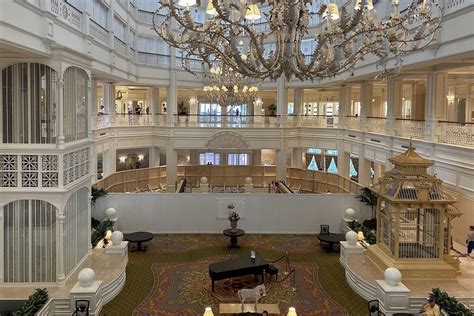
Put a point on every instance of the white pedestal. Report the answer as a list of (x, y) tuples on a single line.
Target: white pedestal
[(248, 188), (204, 187), (347, 249), (393, 298), (121, 249), (92, 293)]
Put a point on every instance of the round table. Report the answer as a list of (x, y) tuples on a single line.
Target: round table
[(138, 238), (331, 239), (233, 233)]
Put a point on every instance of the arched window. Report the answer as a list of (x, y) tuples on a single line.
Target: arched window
[(29, 242), (75, 229), (28, 104), (75, 104)]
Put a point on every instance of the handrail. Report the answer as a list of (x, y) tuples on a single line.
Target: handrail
[(407, 119), (456, 122), (377, 117)]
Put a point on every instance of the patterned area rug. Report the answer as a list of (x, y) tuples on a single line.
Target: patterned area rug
[(172, 278)]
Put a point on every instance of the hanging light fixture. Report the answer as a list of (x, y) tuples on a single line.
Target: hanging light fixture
[(186, 3), (345, 39), (225, 87)]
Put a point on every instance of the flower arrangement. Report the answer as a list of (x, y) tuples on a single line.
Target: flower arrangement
[(234, 216)]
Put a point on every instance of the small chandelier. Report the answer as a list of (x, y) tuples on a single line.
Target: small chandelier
[(347, 35), (228, 88)]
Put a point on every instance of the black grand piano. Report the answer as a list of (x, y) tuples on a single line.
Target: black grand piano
[(239, 266)]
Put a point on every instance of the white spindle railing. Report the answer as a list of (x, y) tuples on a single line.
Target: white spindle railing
[(410, 128), (352, 122), (99, 33), (456, 133), (120, 47), (153, 59), (376, 124)]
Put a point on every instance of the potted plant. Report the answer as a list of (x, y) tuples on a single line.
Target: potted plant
[(272, 109), (449, 305), (34, 303), (97, 193), (183, 109), (369, 197)]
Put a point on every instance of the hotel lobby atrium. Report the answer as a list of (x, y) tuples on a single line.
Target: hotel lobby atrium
[(236, 157)]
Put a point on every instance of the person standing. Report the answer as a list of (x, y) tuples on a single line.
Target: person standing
[(470, 240)]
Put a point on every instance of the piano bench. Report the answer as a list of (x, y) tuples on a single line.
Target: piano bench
[(272, 270)]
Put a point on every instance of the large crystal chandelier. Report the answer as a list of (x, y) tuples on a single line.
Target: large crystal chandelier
[(347, 35), (226, 87)]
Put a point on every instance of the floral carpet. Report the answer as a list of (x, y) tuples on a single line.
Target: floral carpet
[(172, 277)]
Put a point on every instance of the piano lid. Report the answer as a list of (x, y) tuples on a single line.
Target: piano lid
[(243, 261)]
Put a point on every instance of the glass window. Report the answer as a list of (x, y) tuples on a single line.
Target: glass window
[(314, 151), (209, 158), (75, 104), (119, 29), (147, 5), (28, 104), (238, 159), (77, 4), (99, 13)]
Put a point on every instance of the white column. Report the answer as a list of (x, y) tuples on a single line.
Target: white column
[(394, 104), (109, 161), (345, 94), (298, 102), (61, 113), (154, 157), (281, 161), (436, 103), (61, 277), (109, 98), (282, 99), (89, 226), (154, 103), (172, 99), (94, 106), (171, 162), (366, 96)]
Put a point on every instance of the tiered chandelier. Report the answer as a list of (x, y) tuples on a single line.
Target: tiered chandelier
[(228, 88), (348, 34)]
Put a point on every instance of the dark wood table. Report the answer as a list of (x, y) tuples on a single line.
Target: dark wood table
[(238, 266), (330, 239), (138, 238), (233, 233)]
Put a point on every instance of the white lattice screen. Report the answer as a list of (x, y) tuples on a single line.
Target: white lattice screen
[(75, 229), (29, 242)]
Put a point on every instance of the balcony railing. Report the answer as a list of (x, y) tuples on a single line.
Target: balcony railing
[(320, 121), (376, 124), (121, 120), (153, 59), (99, 33), (352, 122), (67, 13), (461, 134), (410, 128), (241, 121), (120, 46)]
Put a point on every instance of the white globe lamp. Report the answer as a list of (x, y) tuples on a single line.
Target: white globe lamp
[(248, 180), (111, 213), (204, 180), (117, 238), (86, 277), (351, 237), (392, 276), (349, 214)]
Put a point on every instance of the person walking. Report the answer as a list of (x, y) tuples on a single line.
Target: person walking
[(470, 240)]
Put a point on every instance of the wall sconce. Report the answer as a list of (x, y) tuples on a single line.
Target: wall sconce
[(360, 236), (450, 97), (208, 312), (141, 157), (291, 312), (122, 159), (258, 102)]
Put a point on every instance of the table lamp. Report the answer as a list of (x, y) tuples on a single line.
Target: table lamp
[(360, 236), (208, 312), (107, 237), (291, 312)]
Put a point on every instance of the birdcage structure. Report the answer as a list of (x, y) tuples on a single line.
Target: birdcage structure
[(414, 215)]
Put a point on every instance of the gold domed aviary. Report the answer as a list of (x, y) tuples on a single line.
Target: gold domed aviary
[(347, 35)]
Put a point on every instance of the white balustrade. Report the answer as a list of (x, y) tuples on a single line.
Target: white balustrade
[(376, 124), (153, 59), (410, 128), (99, 33), (66, 12), (352, 122), (120, 47), (456, 133)]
